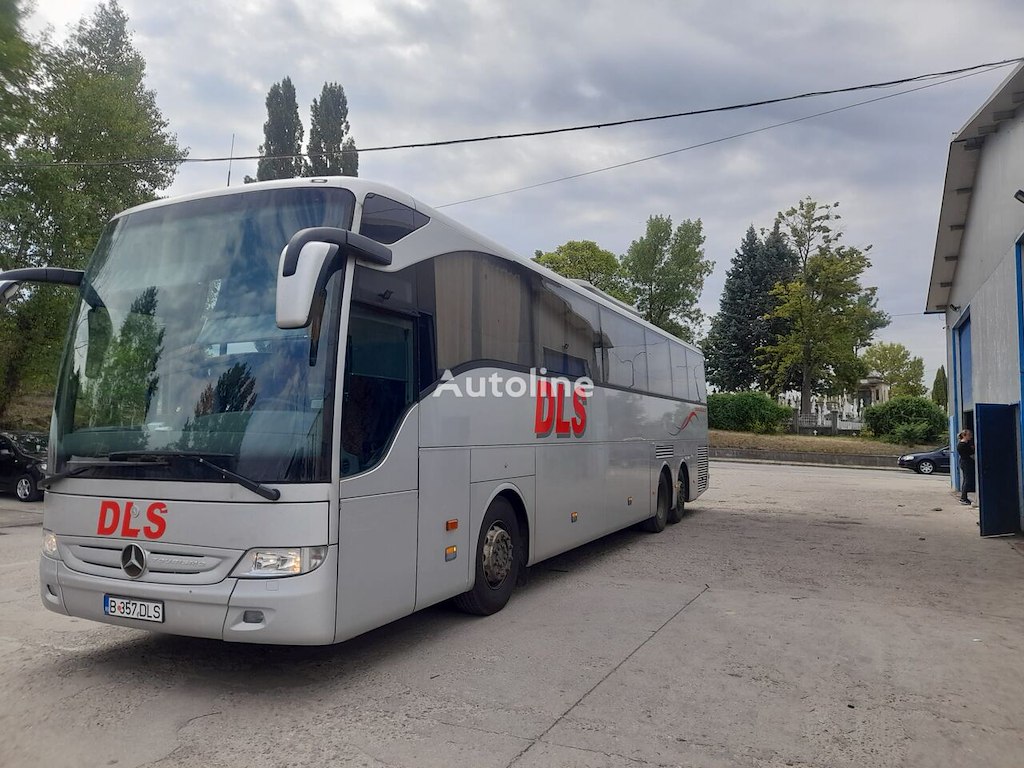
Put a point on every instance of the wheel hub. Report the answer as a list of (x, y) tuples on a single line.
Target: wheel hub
[(497, 555)]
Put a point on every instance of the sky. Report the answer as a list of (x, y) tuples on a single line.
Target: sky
[(431, 70)]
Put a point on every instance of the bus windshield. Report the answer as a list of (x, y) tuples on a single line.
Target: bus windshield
[(175, 346)]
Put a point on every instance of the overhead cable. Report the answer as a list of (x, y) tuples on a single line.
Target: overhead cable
[(977, 68)]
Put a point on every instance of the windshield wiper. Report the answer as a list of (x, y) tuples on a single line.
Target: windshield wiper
[(78, 469), (147, 458)]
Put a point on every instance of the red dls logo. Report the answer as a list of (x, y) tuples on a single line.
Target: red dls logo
[(113, 517), (551, 397)]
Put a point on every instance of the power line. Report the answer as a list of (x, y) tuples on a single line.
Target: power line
[(974, 69), (713, 141)]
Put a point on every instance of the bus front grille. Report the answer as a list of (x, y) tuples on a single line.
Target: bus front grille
[(165, 563)]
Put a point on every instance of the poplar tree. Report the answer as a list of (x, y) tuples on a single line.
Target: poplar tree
[(332, 151), (281, 150)]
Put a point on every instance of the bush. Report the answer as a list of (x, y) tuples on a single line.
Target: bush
[(907, 420), (746, 412)]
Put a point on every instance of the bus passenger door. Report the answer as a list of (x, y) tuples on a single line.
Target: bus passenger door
[(379, 445)]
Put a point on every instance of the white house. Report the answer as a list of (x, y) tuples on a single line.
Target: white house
[(976, 282)]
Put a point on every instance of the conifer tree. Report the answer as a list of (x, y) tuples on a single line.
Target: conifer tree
[(940, 388), (744, 322)]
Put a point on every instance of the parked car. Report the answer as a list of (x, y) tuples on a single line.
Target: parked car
[(22, 463), (927, 462)]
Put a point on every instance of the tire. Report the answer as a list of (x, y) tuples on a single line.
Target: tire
[(925, 467), (675, 514), (499, 560), (656, 523), (25, 489)]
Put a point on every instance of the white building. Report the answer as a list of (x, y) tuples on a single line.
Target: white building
[(976, 283)]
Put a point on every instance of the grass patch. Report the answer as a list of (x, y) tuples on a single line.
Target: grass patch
[(807, 443)]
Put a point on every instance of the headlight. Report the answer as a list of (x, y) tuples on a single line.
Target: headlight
[(43, 466), (49, 543), (262, 563), (907, 458)]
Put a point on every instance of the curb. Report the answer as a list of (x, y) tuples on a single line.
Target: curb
[(851, 461)]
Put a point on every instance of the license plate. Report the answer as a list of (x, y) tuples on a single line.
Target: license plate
[(130, 608)]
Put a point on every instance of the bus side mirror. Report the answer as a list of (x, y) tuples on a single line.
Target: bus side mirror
[(11, 280), (100, 331), (8, 290), (307, 263), (296, 292)]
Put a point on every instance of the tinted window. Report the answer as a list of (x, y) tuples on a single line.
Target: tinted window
[(390, 290), (567, 328), (387, 221), (681, 377), (379, 386), (659, 363), (695, 361), (482, 311), (625, 351)]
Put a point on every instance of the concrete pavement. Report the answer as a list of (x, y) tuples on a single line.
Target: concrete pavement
[(15, 513), (798, 616)]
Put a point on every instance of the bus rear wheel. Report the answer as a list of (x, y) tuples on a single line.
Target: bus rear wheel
[(498, 561), (675, 513), (656, 523)]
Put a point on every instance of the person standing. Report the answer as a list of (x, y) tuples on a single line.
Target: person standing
[(965, 453)]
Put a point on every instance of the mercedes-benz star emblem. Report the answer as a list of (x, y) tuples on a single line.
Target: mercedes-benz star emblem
[(133, 560)]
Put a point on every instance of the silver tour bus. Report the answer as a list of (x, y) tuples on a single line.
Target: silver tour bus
[(294, 411)]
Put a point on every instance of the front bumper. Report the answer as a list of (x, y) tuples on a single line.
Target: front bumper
[(294, 610)]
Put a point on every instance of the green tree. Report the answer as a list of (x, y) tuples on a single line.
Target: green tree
[(281, 150), (940, 389), (743, 323), (829, 314), (17, 66), (665, 271), (91, 107), (586, 260), (332, 151), (893, 362)]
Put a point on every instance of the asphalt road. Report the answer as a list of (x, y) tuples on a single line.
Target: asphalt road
[(799, 616)]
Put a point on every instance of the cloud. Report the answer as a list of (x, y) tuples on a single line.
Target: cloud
[(431, 70)]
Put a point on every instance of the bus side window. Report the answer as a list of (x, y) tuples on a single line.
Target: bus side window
[(379, 385), (568, 332), (681, 376)]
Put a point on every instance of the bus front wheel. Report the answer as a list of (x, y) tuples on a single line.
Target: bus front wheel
[(498, 561)]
